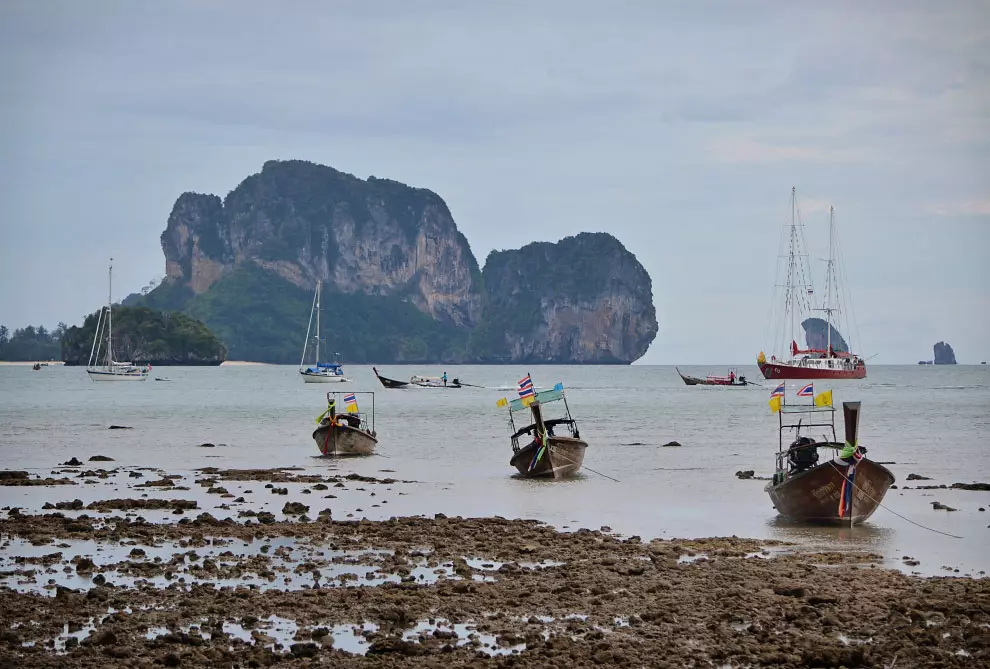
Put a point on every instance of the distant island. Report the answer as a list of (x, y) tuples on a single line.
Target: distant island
[(143, 335), (400, 282), (944, 355)]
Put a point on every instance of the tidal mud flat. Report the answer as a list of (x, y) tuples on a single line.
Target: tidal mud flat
[(129, 567)]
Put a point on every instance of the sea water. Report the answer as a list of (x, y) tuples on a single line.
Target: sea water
[(929, 420)]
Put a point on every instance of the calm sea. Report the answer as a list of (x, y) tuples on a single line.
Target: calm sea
[(928, 420)]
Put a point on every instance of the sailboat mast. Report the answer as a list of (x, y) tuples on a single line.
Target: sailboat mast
[(302, 361), (319, 285), (830, 276), (110, 314), (790, 303)]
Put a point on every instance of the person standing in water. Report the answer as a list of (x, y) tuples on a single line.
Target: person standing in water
[(444, 379)]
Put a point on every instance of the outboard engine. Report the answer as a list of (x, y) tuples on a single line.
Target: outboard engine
[(803, 454)]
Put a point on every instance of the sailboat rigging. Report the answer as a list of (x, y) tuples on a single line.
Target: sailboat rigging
[(110, 370), (319, 372), (822, 359)]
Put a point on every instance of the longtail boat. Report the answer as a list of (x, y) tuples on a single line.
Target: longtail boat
[(730, 379), (348, 432), (418, 381), (537, 452), (837, 491)]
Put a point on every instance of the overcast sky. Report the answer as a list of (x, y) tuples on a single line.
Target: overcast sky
[(678, 127)]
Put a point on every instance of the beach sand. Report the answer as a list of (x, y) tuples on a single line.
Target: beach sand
[(134, 567)]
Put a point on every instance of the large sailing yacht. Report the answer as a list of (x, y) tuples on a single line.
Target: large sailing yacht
[(110, 370), (834, 360)]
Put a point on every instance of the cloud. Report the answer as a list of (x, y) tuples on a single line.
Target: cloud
[(979, 207), (746, 150)]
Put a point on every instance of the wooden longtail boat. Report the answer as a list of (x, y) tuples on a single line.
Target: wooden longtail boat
[(537, 452), (347, 433), (418, 381), (835, 492), (731, 379)]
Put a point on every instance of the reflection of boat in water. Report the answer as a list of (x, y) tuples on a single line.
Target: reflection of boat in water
[(729, 380), (348, 432), (546, 454), (319, 372), (110, 370), (418, 381), (838, 491)]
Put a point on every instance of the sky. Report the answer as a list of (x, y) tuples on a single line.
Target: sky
[(678, 127)]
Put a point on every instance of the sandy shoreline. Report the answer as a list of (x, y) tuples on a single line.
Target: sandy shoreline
[(189, 570)]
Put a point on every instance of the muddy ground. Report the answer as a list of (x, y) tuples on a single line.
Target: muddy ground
[(148, 577)]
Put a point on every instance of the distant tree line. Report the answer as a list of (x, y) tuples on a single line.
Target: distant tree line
[(32, 343)]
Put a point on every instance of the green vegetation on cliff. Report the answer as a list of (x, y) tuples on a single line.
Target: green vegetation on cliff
[(262, 317), (142, 334)]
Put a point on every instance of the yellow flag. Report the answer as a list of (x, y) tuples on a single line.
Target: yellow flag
[(528, 400), (502, 403), (774, 403), (823, 399)]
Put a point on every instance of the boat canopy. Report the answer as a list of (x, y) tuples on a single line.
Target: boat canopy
[(328, 365), (542, 397)]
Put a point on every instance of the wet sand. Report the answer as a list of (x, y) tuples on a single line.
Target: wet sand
[(135, 567)]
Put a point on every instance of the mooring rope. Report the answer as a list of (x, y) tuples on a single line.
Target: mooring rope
[(930, 529), (574, 462)]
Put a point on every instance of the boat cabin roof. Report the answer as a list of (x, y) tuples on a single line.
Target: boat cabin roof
[(543, 397)]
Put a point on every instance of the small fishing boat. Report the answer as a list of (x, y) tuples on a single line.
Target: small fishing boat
[(731, 379), (835, 492), (318, 372), (348, 432), (418, 381), (110, 370), (536, 451)]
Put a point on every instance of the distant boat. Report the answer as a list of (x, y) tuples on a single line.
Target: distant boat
[(319, 372), (416, 381), (110, 370), (799, 292), (544, 454), (833, 492), (348, 432), (729, 380)]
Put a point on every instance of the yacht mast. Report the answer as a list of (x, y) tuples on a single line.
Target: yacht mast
[(110, 314), (319, 285), (309, 325)]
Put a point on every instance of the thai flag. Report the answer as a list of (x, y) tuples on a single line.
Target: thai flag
[(350, 401), (526, 387), (778, 391), (807, 391)]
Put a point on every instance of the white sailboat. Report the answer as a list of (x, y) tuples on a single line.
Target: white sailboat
[(319, 372), (110, 370)]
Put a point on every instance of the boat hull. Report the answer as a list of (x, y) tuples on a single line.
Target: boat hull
[(563, 459), (343, 440), (813, 495), (389, 383), (322, 378), (777, 370), (115, 376)]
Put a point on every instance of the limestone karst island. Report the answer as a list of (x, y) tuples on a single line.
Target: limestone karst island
[(400, 282)]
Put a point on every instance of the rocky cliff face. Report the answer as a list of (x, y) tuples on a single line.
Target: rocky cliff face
[(585, 299), (944, 355), (306, 222), (816, 335)]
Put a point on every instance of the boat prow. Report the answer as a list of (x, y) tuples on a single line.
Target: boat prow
[(387, 382)]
